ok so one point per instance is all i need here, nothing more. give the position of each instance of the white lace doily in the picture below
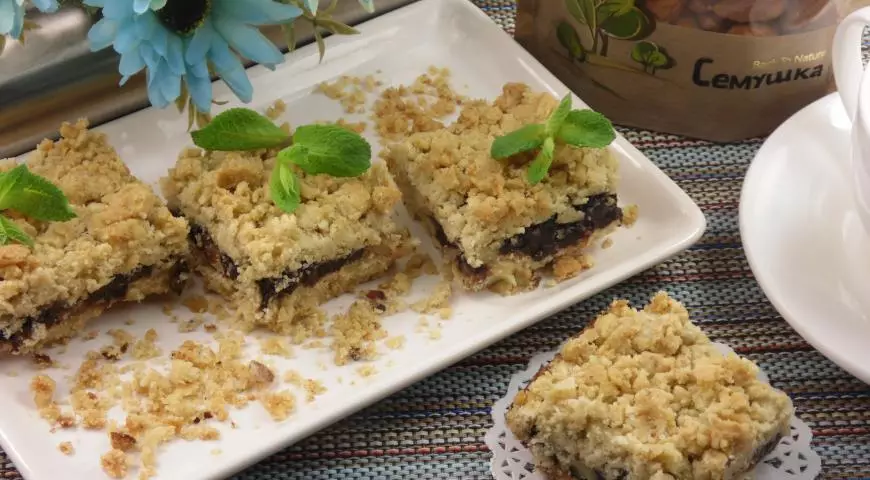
(793, 458)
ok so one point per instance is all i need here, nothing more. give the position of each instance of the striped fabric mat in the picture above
(434, 429)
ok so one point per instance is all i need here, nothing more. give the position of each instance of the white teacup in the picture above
(853, 83)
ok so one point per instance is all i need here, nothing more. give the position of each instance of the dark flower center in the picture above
(184, 16)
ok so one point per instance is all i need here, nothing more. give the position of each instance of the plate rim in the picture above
(690, 232)
(752, 258)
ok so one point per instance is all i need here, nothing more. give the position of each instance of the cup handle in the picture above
(848, 65)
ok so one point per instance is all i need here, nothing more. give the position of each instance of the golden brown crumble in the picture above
(403, 110)
(122, 441)
(313, 388)
(121, 225)
(66, 448)
(115, 463)
(437, 302)
(367, 370)
(277, 346)
(279, 404)
(355, 333)
(629, 215)
(652, 376)
(395, 343)
(293, 378)
(569, 267)
(274, 111)
(43, 387)
(607, 243)
(191, 324)
(349, 91)
(146, 347)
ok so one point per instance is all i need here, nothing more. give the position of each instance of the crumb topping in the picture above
(650, 392)
(121, 225)
(227, 193)
(478, 201)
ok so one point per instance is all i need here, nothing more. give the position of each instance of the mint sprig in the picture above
(578, 128)
(315, 149)
(32, 196)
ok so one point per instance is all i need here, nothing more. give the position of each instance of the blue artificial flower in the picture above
(175, 39)
(12, 15)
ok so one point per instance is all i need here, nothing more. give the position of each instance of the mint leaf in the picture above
(9, 231)
(332, 150)
(541, 164)
(239, 129)
(284, 187)
(586, 128)
(523, 139)
(33, 196)
(557, 118)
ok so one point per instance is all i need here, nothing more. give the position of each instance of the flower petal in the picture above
(231, 70)
(146, 25)
(200, 91)
(127, 38)
(159, 39)
(175, 54)
(255, 12)
(249, 42)
(197, 47)
(102, 34)
(8, 13)
(48, 6)
(141, 6)
(117, 9)
(170, 87)
(131, 63)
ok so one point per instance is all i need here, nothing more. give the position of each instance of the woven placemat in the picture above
(434, 429)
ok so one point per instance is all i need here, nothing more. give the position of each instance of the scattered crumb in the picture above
(277, 109)
(358, 127)
(607, 243)
(129, 322)
(293, 378)
(91, 335)
(43, 387)
(349, 91)
(313, 388)
(205, 433)
(434, 333)
(114, 463)
(629, 215)
(196, 303)
(191, 325)
(146, 348)
(367, 370)
(395, 343)
(43, 361)
(216, 451)
(403, 110)
(210, 327)
(122, 441)
(275, 346)
(279, 404)
(260, 374)
(66, 448)
(438, 301)
(418, 265)
(568, 267)
(355, 333)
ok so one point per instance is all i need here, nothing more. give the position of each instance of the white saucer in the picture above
(803, 237)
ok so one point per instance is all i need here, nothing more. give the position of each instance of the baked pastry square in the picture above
(123, 245)
(499, 231)
(273, 266)
(646, 395)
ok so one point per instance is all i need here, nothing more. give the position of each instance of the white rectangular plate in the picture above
(400, 45)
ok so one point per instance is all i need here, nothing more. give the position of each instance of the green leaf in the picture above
(284, 187)
(658, 59)
(239, 129)
(33, 196)
(569, 39)
(289, 36)
(9, 231)
(557, 118)
(541, 164)
(525, 138)
(582, 10)
(336, 27)
(629, 26)
(586, 128)
(642, 51)
(613, 8)
(333, 150)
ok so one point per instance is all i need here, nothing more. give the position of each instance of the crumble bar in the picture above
(645, 394)
(277, 267)
(123, 246)
(498, 231)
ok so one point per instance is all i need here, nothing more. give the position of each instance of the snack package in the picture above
(720, 70)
